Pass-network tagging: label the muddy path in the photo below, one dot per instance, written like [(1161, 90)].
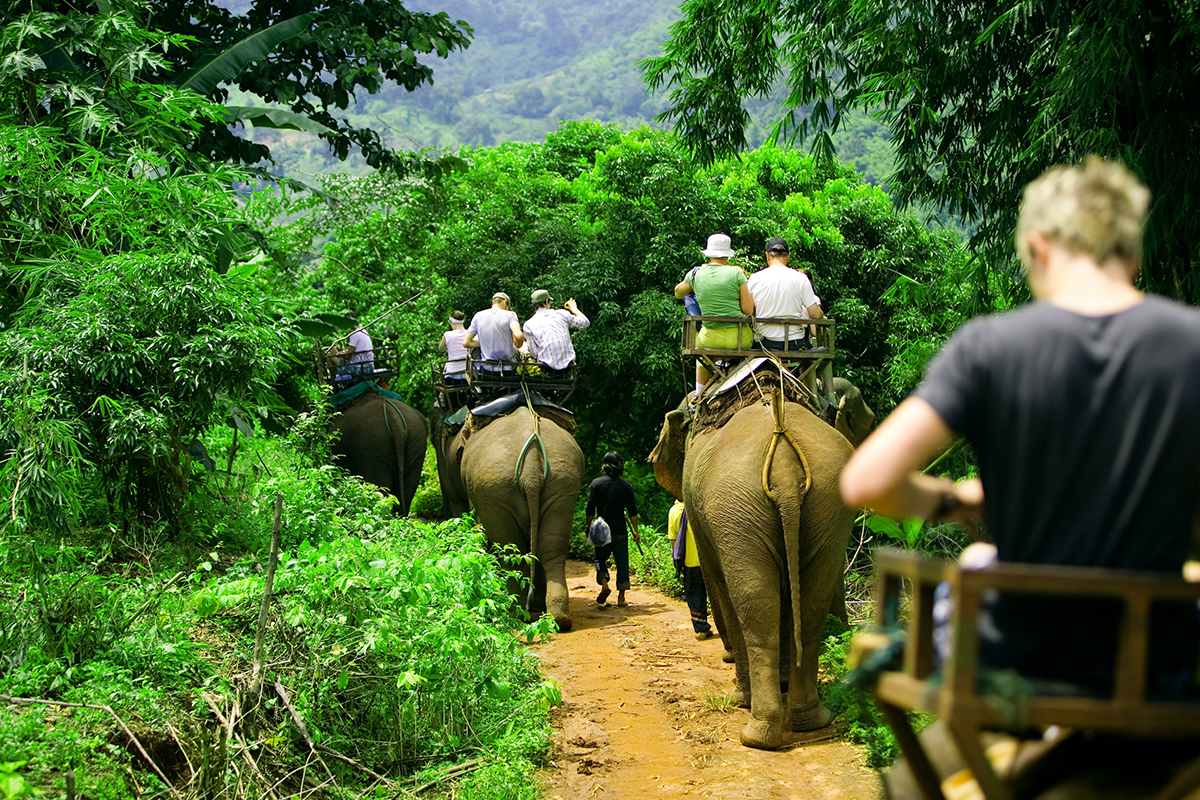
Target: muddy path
[(646, 714)]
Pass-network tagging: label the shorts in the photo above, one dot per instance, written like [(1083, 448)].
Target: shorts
[(724, 338)]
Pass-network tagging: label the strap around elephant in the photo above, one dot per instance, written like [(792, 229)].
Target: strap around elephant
[(536, 436), (388, 422), (781, 430)]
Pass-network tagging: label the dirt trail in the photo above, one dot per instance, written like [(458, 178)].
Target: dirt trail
[(645, 714)]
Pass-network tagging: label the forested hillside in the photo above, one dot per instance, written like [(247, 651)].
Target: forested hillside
[(531, 65)]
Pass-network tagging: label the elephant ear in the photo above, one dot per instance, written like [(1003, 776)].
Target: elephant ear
[(855, 419), (667, 455)]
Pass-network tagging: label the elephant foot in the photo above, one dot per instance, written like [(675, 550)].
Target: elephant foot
[(762, 734), (564, 622), (727, 657), (811, 719)]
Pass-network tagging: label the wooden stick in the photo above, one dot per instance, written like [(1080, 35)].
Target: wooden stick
[(264, 607), (353, 763), (31, 701), (245, 748), (462, 769), (298, 721)]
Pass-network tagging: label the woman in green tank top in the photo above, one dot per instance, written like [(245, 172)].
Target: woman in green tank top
[(721, 290)]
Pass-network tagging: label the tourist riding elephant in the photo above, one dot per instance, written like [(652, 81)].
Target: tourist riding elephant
[(382, 440), (774, 559), (523, 493)]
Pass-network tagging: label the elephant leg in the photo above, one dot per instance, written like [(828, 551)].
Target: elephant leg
[(558, 601), (806, 712), (718, 616), (756, 599)]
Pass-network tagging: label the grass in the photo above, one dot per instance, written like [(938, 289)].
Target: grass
[(394, 642)]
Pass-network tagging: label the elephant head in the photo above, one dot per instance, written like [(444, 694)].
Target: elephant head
[(855, 420), (667, 456)]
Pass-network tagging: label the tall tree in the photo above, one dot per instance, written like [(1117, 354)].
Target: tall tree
[(309, 57), (979, 98)]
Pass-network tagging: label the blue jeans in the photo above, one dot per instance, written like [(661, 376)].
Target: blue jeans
[(619, 550)]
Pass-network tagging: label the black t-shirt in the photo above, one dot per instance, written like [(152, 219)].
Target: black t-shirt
[(1087, 431), (613, 505)]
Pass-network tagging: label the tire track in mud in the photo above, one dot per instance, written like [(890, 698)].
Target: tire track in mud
[(647, 714)]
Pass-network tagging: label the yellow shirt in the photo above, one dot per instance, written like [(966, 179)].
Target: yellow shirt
[(690, 556)]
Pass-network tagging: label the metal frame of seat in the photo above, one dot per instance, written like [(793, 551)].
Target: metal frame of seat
[(954, 698)]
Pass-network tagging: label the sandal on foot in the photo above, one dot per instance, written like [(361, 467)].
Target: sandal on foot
[(604, 593)]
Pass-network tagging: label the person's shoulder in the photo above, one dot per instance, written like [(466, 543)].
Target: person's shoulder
[(1170, 312)]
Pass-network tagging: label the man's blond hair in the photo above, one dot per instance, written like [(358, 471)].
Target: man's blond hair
[(1098, 208)]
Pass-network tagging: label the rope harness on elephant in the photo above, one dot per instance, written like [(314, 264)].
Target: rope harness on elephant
[(388, 422), (536, 436), (777, 409)]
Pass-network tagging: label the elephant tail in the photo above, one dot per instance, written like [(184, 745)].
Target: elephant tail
[(531, 480), (789, 514), (532, 483)]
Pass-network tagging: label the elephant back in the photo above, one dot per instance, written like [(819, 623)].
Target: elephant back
[(559, 416), (714, 410)]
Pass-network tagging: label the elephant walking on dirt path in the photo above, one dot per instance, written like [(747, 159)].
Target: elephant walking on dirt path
[(523, 489), (771, 531), (382, 440)]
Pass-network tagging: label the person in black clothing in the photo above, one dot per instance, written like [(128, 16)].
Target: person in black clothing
[(1082, 409), (612, 498)]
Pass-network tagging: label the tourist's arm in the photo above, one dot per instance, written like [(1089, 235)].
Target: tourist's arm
[(682, 289), (517, 334), (578, 319), (746, 299), (470, 341), (442, 345), (883, 474)]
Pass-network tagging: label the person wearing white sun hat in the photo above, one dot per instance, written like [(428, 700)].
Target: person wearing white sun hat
[(722, 291)]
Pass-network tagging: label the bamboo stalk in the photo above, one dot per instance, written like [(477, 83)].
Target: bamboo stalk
[(264, 607)]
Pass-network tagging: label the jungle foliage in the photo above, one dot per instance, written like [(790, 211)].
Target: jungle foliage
[(309, 62), (978, 99), (615, 219), (135, 325)]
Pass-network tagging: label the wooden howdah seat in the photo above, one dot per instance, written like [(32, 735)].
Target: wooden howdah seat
[(497, 376), (383, 359), (818, 361), (952, 694)]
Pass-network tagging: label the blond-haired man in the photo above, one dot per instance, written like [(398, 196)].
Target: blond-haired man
[(1082, 408)]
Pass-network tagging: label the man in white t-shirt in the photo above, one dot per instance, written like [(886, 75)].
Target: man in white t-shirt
[(782, 292), (496, 332)]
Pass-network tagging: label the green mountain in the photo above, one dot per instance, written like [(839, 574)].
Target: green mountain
[(532, 64)]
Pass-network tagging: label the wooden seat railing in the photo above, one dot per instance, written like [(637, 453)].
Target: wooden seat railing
[(383, 359), (513, 375), (818, 360), (953, 694)]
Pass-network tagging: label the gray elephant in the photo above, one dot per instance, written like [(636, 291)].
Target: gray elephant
[(523, 489), (774, 559), (382, 440)]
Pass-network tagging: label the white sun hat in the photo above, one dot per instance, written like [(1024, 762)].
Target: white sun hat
[(719, 246)]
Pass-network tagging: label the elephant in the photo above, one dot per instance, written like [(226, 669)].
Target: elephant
[(382, 440), (523, 494), (758, 548)]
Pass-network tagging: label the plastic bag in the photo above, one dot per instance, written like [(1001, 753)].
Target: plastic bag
[(598, 533)]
